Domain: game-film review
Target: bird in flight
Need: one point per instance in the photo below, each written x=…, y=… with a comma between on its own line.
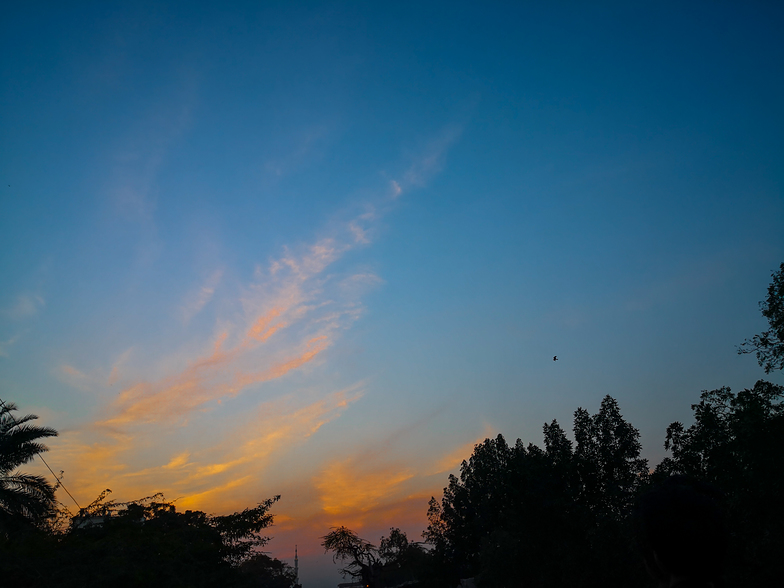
x=555, y=358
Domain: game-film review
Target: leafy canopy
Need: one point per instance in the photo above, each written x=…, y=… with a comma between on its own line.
x=358, y=555
x=520, y=514
x=148, y=542
x=768, y=346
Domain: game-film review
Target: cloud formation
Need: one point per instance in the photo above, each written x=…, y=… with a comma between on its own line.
x=348, y=487
x=209, y=427
x=292, y=313
x=198, y=475
x=195, y=301
x=27, y=304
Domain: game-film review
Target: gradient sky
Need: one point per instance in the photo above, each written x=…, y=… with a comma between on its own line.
x=320, y=251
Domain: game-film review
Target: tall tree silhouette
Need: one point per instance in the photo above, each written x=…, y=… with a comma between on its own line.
x=608, y=459
x=520, y=515
x=768, y=346
x=735, y=444
x=23, y=497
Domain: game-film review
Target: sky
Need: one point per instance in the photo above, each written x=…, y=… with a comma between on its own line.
x=322, y=249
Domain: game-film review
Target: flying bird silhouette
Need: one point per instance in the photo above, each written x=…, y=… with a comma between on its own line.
x=555, y=358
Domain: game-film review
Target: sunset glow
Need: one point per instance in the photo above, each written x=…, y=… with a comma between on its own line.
x=322, y=251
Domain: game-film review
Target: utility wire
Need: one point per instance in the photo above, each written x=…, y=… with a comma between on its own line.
x=59, y=481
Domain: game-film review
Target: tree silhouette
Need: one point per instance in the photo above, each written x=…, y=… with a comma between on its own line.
x=23, y=497
x=148, y=542
x=404, y=561
x=735, y=444
x=520, y=515
x=608, y=459
x=395, y=562
x=359, y=556
x=768, y=346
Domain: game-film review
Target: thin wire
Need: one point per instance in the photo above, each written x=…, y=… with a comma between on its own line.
x=59, y=481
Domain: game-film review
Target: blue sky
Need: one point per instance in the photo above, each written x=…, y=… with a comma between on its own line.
x=320, y=250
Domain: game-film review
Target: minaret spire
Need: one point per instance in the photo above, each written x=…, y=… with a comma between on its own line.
x=296, y=567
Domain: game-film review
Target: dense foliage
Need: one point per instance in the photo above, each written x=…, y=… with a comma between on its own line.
x=147, y=543
x=736, y=444
x=564, y=515
x=520, y=515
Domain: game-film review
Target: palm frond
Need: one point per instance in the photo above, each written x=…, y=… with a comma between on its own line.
x=22, y=495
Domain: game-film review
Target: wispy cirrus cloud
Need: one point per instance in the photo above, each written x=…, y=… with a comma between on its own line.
x=396, y=189
x=95, y=380
x=131, y=188
x=196, y=300
x=291, y=311
x=26, y=305
x=291, y=297
x=118, y=366
x=153, y=435
x=76, y=378
x=429, y=162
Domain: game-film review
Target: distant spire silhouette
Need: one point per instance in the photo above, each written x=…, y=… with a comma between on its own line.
x=296, y=567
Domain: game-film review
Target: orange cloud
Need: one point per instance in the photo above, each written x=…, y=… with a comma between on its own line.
x=346, y=489
x=268, y=441
x=224, y=476
x=261, y=329
x=209, y=378
x=211, y=496
x=178, y=461
x=292, y=296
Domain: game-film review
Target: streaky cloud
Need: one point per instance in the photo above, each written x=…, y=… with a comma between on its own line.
x=98, y=457
x=198, y=299
x=282, y=320
x=290, y=295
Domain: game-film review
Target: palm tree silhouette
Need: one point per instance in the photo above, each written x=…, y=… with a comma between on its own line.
x=22, y=496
